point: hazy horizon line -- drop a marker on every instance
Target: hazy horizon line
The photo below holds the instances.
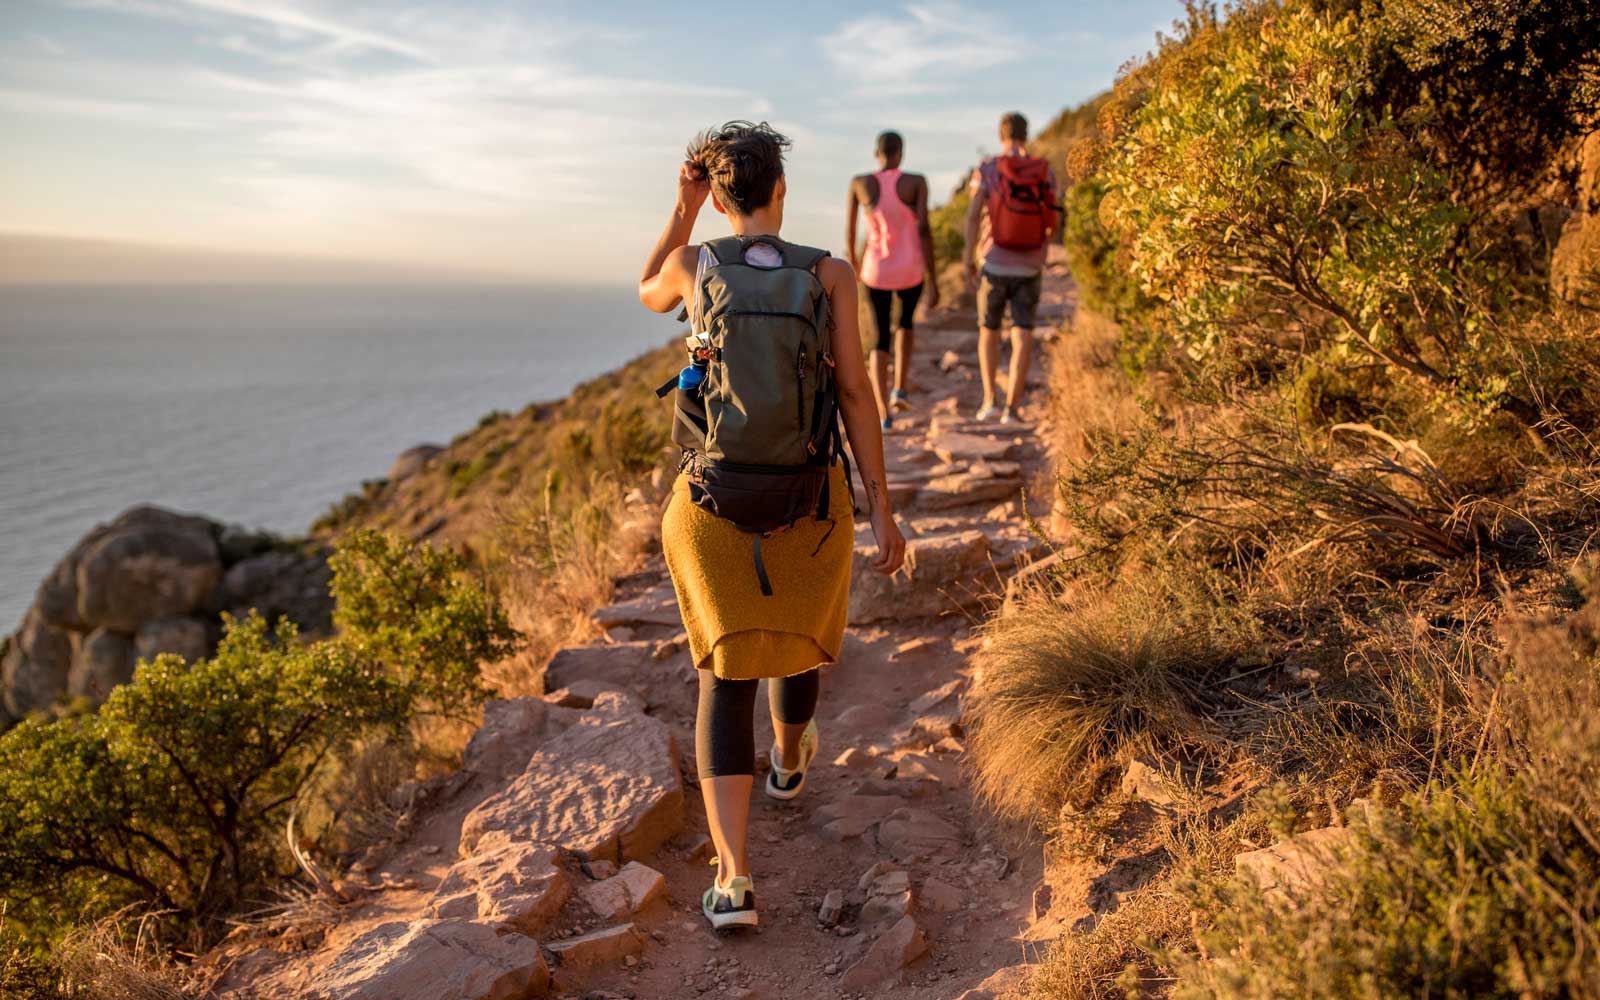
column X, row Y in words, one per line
column 38, row 259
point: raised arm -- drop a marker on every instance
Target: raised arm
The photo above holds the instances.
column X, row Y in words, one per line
column 925, row 230
column 851, row 207
column 860, row 409
column 669, row 271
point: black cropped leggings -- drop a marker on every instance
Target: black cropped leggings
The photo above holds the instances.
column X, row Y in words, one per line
column 725, row 725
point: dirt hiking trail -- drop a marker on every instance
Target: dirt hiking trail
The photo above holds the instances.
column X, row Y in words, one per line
column 567, row 857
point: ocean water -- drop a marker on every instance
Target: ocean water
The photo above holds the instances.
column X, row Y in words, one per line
column 261, row 405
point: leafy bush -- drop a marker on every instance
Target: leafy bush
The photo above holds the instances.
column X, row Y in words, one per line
column 1266, row 203
column 949, row 224
column 174, row 793
column 1499, row 85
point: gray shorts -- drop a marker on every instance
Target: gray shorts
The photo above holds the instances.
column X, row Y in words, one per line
column 996, row 291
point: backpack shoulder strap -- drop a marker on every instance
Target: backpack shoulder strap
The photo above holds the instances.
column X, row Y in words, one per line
column 726, row 249
column 809, row 258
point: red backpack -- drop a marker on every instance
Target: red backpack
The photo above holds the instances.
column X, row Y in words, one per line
column 1019, row 199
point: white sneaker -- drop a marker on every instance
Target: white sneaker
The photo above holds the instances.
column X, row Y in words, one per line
column 785, row 785
column 1007, row 415
column 987, row 413
column 731, row 905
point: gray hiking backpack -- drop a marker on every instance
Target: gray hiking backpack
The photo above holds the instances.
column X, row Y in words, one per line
column 761, row 429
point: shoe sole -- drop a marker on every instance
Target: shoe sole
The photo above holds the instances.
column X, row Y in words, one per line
column 726, row 921
column 774, row 792
column 789, row 796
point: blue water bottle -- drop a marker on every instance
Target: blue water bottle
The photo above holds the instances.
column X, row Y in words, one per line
column 692, row 376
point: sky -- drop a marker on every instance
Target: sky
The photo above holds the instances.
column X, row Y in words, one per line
column 533, row 141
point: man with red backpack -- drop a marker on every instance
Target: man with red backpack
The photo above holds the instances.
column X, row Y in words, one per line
column 1013, row 215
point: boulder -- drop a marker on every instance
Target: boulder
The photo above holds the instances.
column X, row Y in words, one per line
column 657, row 606
column 409, row 462
column 889, row 895
column 513, row 728
column 1294, row 865
column 621, row 666
column 189, row 638
column 103, row 661
column 1003, row 984
column 1145, row 781
column 598, row 948
column 938, row 713
column 279, row 584
column 606, row 787
column 943, row 574
column 956, row 446
column 627, row 892
column 431, row 960
column 56, row 600
column 152, row 563
column 963, row 489
column 912, row 834
column 895, row 949
column 35, row 665
column 235, row 542
column 510, row 885
column 831, row 909
column 854, row 815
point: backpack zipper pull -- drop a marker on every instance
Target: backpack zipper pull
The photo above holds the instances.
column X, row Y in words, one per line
column 800, row 391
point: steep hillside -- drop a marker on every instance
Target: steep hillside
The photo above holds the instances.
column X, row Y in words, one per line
column 611, row 427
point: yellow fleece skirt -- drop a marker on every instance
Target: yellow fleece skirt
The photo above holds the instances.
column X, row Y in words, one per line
column 734, row 630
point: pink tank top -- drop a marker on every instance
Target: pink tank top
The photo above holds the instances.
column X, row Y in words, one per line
column 894, row 247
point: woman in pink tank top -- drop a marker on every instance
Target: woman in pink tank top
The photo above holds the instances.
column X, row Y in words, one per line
column 895, row 264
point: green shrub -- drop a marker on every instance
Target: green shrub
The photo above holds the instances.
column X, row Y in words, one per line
column 949, row 224
column 1260, row 183
column 173, row 795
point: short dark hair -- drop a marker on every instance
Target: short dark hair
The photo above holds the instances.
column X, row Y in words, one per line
column 1014, row 127
column 743, row 161
column 890, row 144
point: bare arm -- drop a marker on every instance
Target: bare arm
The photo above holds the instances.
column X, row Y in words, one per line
column 669, row 270
column 925, row 230
column 852, row 205
column 969, row 251
column 860, row 410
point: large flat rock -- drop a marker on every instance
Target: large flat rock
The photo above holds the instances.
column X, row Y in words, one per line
column 621, row 666
column 656, row 606
column 432, row 960
column 944, row 572
column 513, row 729
column 957, row 446
column 608, row 787
column 966, row 488
column 1297, row 864
column 510, row 885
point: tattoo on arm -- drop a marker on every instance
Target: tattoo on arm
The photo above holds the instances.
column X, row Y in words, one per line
column 874, row 490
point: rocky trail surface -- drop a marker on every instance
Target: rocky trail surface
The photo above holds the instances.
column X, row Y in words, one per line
column 567, row 857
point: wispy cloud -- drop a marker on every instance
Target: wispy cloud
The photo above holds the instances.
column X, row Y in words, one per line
column 918, row 50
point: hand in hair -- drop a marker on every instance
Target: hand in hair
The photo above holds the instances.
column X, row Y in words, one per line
column 693, row 185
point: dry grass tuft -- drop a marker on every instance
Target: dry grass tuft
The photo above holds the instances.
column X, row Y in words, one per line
column 116, row 958
column 1064, row 689
column 557, row 557
column 1091, row 400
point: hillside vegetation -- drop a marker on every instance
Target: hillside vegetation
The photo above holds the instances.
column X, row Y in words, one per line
column 1324, row 434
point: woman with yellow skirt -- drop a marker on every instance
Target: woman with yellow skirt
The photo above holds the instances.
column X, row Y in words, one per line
column 786, row 621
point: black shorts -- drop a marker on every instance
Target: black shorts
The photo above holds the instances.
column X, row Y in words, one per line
column 997, row 291
column 882, row 300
